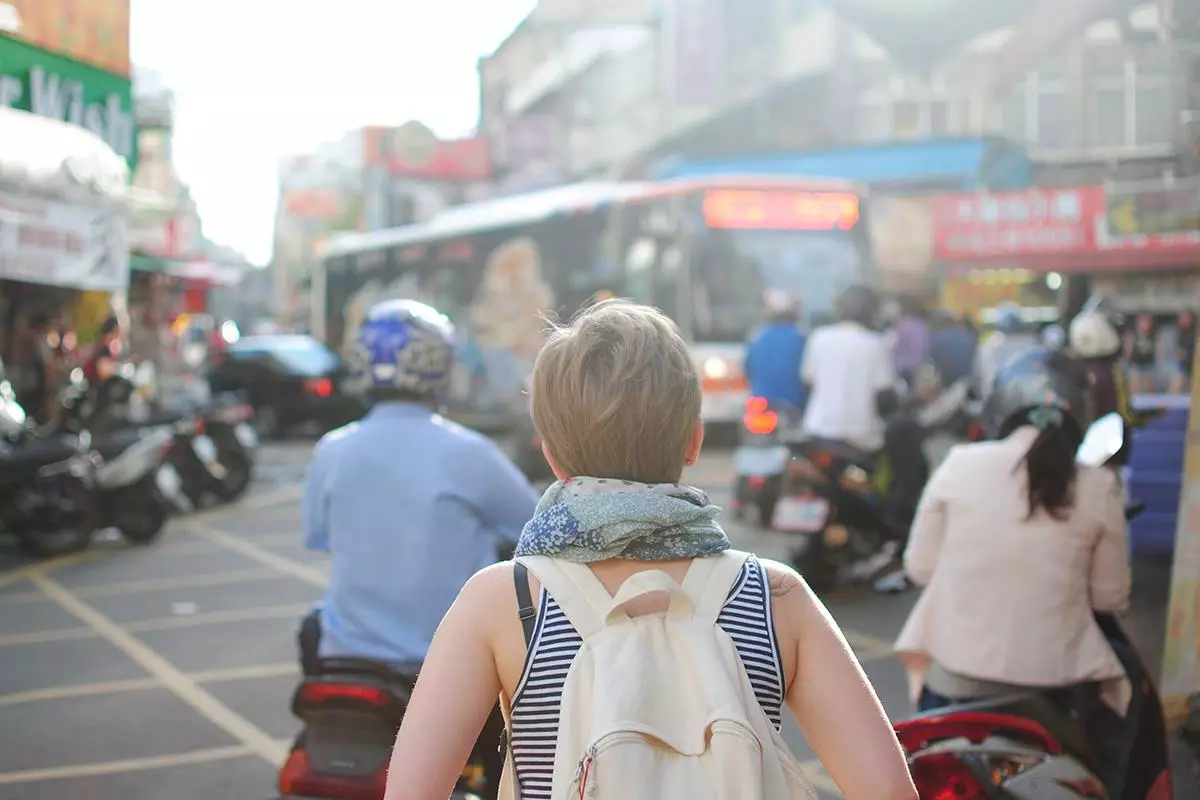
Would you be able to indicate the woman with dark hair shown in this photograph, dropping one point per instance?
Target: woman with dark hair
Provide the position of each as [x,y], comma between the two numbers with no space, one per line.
[1008,529]
[1018,546]
[101,363]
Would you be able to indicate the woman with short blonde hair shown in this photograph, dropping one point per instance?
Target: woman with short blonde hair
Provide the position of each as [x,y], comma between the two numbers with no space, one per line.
[616,399]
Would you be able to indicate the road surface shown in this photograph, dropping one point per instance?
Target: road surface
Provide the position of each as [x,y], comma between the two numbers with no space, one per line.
[165,673]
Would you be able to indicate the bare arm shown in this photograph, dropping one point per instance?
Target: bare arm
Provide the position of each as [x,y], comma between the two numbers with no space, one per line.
[456,691]
[832,699]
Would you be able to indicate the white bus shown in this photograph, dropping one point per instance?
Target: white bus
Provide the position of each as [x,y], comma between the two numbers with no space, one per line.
[704,251]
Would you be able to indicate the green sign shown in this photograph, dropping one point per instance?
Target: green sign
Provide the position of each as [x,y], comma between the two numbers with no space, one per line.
[49,85]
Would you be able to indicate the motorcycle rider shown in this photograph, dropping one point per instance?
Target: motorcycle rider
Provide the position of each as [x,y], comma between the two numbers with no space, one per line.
[1017,546]
[408,504]
[1012,336]
[775,355]
[849,377]
[1095,339]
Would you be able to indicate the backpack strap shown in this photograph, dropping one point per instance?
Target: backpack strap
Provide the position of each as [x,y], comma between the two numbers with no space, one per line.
[577,591]
[709,580]
[525,607]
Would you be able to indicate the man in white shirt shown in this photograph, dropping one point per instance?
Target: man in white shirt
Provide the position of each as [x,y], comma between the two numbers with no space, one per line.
[850,376]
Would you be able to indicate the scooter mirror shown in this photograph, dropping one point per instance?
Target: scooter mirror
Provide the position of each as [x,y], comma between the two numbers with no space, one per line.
[1102,441]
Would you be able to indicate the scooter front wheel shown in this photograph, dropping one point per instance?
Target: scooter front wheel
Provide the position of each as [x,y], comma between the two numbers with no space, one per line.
[140,513]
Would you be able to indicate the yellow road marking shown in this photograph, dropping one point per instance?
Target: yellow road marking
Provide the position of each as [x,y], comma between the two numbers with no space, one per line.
[278,670]
[29,570]
[291,611]
[186,689]
[41,637]
[127,765]
[287,566]
[202,581]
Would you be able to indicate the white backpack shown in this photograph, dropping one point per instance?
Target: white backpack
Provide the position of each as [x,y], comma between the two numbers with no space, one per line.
[659,706]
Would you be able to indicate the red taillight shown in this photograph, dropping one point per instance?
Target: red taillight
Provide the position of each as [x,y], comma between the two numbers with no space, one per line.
[759,418]
[321,387]
[297,779]
[944,777]
[200,426]
[975,432]
[917,734]
[756,481]
[317,693]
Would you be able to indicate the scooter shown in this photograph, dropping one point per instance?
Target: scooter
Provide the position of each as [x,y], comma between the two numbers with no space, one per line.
[1019,747]
[134,480]
[351,712]
[762,456]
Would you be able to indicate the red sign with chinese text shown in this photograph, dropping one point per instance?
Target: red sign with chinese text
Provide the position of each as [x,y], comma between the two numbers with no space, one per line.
[1055,228]
[739,209]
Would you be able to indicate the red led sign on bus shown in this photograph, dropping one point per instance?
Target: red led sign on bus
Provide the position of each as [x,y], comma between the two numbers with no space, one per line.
[740,209]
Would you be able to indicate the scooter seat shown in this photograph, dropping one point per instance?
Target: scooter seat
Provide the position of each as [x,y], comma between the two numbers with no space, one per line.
[32,454]
[1031,706]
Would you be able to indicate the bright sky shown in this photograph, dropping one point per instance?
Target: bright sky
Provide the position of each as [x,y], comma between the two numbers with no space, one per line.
[256,80]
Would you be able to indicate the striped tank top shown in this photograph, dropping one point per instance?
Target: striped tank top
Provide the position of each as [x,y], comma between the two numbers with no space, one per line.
[746,617]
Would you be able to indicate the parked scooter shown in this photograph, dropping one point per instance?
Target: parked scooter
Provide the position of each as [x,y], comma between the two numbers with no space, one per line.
[351,712]
[134,481]
[47,487]
[213,451]
[1022,748]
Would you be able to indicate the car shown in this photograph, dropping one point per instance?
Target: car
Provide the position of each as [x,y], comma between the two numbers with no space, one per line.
[291,380]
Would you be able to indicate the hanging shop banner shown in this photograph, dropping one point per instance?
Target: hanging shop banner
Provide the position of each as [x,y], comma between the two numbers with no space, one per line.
[58,244]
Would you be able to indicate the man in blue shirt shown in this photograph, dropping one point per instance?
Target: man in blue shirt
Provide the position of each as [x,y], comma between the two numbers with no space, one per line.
[408,504]
[952,348]
[774,356]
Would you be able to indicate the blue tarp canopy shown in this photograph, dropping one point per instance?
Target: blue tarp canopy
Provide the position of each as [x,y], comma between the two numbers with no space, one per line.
[966,164]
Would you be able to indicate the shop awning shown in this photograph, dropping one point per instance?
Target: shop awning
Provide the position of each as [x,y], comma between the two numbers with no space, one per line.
[967,163]
[54,159]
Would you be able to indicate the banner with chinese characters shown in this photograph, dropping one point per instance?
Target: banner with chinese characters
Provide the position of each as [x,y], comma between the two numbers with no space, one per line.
[1064,229]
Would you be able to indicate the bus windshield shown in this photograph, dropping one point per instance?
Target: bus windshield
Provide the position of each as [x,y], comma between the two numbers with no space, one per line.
[734,269]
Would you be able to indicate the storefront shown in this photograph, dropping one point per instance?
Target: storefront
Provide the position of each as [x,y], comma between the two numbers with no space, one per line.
[1028,246]
[69,141]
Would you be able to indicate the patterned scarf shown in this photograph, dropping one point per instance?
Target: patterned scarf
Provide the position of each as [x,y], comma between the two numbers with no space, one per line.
[594,519]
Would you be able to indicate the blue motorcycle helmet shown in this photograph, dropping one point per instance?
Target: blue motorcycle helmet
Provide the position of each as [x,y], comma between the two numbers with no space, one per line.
[404,350]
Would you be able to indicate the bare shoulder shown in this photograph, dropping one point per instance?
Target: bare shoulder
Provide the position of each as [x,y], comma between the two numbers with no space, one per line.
[783,580]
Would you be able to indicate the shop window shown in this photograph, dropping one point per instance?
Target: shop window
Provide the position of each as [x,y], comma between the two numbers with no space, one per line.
[1014,122]
[1107,123]
[906,120]
[1152,112]
[940,123]
[1053,119]
[875,122]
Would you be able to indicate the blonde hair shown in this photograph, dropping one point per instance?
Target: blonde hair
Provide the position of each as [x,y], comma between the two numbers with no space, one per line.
[615,394]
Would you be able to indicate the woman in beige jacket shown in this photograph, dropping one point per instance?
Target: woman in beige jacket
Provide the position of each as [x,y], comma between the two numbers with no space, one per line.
[1017,546]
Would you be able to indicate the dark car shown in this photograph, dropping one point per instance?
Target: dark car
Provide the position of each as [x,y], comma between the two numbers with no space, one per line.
[291,380]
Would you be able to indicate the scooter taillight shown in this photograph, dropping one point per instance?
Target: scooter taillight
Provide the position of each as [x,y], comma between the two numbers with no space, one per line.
[317,693]
[975,432]
[298,779]
[759,418]
[945,777]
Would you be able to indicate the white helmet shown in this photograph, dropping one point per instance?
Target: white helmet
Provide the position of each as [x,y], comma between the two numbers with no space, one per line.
[1093,335]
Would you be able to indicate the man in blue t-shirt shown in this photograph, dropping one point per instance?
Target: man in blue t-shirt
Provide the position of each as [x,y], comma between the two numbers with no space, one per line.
[775,354]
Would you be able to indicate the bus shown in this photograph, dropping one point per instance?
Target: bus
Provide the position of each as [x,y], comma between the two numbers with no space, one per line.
[705,251]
